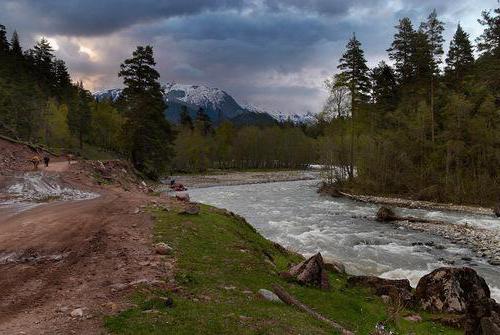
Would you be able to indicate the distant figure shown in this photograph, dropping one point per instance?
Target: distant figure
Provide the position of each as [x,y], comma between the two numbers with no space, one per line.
[35,160]
[70,158]
[46,160]
[172,182]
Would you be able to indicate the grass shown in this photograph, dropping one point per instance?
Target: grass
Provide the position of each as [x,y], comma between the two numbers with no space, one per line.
[221,263]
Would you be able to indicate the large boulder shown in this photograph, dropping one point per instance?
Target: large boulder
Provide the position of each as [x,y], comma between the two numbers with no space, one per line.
[385,214]
[311,272]
[483,318]
[399,290]
[451,290]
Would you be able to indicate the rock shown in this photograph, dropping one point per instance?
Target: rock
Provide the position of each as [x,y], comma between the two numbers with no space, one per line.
[191,210]
[450,290]
[334,266]
[182,196]
[76,313]
[162,248]
[385,214]
[399,290]
[413,318]
[269,296]
[311,272]
[483,318]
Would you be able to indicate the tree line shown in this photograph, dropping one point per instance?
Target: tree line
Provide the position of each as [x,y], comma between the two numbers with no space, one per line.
[426,125]
[39,103]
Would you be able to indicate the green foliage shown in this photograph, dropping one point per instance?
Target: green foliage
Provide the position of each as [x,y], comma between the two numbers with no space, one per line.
[221,263]
[424,135]
[227,147]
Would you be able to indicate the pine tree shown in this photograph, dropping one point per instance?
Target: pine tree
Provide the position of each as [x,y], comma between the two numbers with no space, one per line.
[4,44]
[148,133]
[203,122]
[384,86]
[42,55]
[15,46]
[460,58]
[402,49]
[421,59]
[434,29]
[355,73]
[185,118]
[489,41]
[62,78]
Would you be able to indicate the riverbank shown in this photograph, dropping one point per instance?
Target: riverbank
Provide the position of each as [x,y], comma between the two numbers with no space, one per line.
[418,204]
[221,264]
[485,243]
[243,178]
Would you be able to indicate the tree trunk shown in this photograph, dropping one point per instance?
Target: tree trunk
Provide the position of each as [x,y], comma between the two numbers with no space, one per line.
[432,108]
[290,300]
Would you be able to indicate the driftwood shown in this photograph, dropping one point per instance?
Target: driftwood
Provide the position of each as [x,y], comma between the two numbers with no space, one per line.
[290,300]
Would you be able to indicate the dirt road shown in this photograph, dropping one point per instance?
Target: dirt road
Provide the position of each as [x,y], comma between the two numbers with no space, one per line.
[60,257]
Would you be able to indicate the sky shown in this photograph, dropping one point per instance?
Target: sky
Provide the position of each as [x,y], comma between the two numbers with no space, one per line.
[274,54]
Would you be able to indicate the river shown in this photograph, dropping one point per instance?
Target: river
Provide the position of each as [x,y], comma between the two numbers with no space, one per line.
[294,215]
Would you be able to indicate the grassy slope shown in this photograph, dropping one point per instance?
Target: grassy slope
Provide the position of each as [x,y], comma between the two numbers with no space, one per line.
[221,264]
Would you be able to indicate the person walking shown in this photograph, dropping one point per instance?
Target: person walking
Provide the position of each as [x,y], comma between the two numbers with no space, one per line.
[46,160]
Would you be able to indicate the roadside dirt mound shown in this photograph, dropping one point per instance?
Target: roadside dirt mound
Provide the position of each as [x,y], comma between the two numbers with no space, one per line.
[16,156]
[112,172]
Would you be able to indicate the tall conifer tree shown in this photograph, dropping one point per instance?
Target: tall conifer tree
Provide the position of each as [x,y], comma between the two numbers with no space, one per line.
[460,57]
[149,134]
[402,49]
[356,75]
[15,45]
[489,41]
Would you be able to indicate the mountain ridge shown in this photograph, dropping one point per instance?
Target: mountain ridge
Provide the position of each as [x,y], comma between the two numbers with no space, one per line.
[217,103]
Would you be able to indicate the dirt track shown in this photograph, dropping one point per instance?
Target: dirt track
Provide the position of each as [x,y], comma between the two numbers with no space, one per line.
[87,254]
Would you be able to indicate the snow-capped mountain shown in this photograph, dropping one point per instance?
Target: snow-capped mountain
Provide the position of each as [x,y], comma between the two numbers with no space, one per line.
[307,118]
[217,104]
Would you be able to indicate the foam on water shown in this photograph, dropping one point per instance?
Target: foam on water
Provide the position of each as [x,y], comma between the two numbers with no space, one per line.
[294,215]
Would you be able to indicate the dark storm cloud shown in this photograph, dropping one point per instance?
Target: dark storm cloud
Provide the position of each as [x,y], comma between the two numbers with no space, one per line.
[96,17]
[274,53]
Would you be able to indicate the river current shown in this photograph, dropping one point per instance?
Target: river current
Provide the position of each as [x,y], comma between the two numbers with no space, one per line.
[294,215]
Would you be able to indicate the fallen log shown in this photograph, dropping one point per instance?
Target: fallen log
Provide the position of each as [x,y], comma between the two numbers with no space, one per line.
[291,300]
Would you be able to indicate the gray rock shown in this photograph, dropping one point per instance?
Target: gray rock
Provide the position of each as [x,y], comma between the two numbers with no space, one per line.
[76,313]
[162,248]
[269,296]
[450,290]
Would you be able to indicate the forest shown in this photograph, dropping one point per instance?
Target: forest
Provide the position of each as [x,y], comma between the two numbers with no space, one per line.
[422,124]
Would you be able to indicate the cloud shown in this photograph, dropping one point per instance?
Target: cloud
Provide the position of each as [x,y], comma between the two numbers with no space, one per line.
[273,53]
